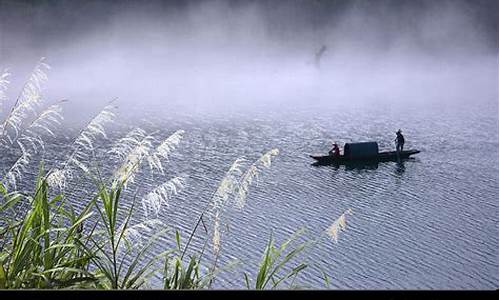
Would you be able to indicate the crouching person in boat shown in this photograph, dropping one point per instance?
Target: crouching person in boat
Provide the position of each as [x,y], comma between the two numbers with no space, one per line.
[400,141]
[335,152]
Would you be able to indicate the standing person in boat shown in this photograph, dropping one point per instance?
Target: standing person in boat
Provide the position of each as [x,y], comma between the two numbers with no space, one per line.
[400,141]
[335,152]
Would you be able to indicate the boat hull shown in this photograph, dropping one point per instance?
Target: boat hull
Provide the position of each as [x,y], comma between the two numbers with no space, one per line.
[380,157]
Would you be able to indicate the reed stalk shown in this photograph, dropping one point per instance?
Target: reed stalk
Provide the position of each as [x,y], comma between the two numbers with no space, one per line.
[47,246]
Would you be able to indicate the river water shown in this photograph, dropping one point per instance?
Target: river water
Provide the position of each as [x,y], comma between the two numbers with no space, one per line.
[428,223]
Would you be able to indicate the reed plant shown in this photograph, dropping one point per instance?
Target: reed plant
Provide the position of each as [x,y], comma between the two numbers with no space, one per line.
[45,243]
[42,249]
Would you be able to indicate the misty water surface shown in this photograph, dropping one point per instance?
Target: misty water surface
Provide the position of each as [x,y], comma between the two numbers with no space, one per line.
[431,222]
[241,78]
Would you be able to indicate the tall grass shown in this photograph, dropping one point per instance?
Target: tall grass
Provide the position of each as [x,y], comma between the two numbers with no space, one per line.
[42,249]
[45,243]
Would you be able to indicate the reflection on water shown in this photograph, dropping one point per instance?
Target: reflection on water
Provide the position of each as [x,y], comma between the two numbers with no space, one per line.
[362,166]
[368,165]
[400,168]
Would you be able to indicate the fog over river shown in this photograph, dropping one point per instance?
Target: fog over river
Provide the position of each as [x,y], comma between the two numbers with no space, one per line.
[243,77]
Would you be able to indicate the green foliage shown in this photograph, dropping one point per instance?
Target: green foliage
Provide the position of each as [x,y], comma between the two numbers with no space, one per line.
[47,247]
[120,269]
[183,273]
[179,274]
[41,249]
[275,260]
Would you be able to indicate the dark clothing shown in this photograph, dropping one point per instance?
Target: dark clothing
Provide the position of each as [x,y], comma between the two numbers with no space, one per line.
[400,141]
[335,152]
[400,138]
[399,147]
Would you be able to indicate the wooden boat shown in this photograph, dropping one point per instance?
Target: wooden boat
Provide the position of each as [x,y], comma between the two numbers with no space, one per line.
[366,152]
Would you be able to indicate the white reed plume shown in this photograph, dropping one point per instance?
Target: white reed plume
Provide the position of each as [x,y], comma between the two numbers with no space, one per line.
[83,143]
[134,236]
[162,194]
[226,187]
[136,147]
[163,151]
[4,82]
[18,168]
[57,178]
[252,172]
[43,123]
[122,147]
[216,235]
[235,181]
[339,224]
[127,170]
[95,128]
[26,103]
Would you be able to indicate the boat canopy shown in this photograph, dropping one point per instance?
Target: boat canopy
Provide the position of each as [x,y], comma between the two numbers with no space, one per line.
[360,150]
